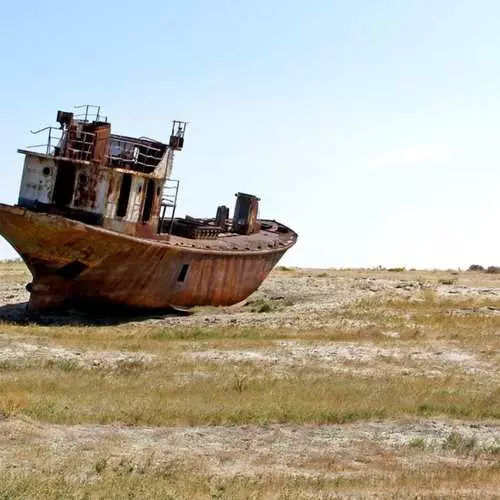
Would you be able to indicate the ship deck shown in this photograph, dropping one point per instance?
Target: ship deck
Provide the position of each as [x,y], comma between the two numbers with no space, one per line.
[275,235]
[75,263]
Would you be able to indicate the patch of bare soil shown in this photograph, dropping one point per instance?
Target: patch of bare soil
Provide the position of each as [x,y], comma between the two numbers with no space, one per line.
[315,301]
[366,359]
[248,450]
[300,300]
[13,293]
[294,299]
[13,351]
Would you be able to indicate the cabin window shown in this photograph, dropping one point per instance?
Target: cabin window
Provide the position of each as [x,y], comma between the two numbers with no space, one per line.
[183,273]
[121,209]
[148,201]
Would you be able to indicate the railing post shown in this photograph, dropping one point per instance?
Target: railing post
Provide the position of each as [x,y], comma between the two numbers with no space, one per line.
[173,209]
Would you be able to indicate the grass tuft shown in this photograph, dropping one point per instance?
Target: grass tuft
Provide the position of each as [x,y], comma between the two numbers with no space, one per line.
[456,442]
[417,442]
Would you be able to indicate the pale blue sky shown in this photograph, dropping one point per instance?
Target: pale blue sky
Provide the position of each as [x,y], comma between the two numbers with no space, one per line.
[370,127]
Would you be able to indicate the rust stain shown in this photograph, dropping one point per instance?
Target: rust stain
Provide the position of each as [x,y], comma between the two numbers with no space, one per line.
[87,185]
[110,269]
[100,234]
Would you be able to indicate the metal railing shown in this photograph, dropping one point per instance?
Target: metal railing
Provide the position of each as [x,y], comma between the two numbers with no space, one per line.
[53,139]
[133,152]
[168,200]
[81,146]
[89,114]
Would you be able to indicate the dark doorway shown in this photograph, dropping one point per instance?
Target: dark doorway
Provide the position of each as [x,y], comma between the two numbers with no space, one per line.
[121,209]
[148,202]
[65,184]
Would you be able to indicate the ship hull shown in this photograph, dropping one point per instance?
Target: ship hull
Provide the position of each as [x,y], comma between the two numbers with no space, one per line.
[74,263]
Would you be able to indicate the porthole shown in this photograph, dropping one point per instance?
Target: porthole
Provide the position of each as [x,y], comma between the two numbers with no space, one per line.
[183,272]
[46,171]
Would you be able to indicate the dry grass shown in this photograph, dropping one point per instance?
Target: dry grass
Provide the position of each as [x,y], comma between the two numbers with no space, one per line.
[246,462]
[422,354]
[172,481]
[205,393]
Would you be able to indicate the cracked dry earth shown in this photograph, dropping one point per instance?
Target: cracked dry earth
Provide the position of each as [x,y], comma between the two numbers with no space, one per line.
[301,300]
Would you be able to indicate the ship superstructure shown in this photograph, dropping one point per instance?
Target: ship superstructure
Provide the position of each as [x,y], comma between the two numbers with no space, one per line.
[95,222]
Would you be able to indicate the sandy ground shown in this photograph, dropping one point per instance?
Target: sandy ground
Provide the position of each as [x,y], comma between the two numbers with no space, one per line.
[311,299]
[290,449]
[20,354]
[355,358]
[305,299]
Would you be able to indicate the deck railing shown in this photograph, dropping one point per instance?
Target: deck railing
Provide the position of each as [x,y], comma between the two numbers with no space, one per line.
[127,151]
[76,143]
[90,112]
[54,137]
[120,151]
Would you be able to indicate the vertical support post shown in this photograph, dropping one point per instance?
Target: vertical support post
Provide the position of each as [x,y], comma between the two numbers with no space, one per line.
[173,210]
[162,218]
[49,141]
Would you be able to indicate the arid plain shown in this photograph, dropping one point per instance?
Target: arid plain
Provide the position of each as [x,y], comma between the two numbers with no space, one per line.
[324,384]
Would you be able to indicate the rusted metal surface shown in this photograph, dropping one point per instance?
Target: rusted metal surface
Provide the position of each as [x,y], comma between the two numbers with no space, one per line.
[73,262]
[245,214]
[89,188]
[221,216]
[91,164]
[196,229]
[37,184]
[95,189]
[91,225]
[102,135]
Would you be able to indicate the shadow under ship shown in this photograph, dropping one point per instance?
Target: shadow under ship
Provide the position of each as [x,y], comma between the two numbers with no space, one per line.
[95,224]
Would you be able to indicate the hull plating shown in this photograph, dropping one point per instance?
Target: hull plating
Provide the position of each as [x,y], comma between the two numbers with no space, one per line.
[73,262]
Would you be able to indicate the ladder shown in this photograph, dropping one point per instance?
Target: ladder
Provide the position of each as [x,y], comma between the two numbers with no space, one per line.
[168,201]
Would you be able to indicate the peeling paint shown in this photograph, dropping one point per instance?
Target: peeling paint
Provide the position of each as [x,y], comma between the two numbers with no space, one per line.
[90,226]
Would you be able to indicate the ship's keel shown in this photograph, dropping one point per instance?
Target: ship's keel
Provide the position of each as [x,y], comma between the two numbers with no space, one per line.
[48,295]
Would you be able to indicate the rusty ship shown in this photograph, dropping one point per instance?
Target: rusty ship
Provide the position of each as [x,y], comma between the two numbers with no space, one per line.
[95,224]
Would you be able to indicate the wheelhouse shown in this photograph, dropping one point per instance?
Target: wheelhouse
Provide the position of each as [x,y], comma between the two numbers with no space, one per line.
[85,172]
